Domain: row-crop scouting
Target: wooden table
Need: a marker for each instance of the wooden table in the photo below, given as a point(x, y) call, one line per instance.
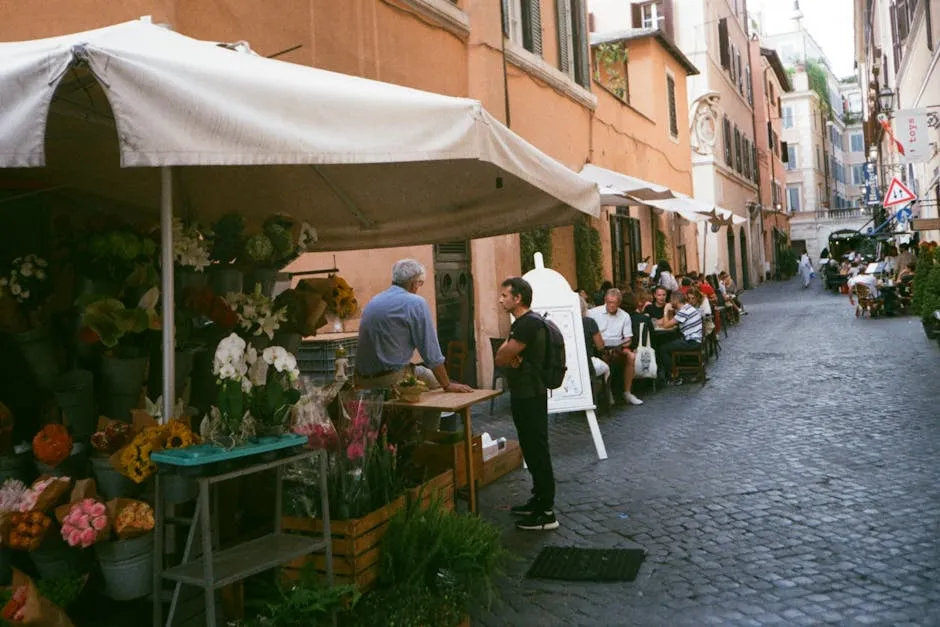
point(460, 402)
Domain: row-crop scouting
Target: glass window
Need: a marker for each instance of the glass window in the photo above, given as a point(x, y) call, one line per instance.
point(652, 16)
point(793, 196)
point(788, 117)
point(515, 20)
point(792, 152)
point(858, 142)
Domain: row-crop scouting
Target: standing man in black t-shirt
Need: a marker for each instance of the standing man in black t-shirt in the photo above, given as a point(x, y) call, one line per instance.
point(523, 357)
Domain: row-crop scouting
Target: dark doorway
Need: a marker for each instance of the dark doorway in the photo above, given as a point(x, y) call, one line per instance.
point(625, 246)
point(745, 274)
point(732, 262)
point(453, 290)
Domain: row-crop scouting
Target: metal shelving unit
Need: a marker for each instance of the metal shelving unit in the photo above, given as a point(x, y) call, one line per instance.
point(216, 569)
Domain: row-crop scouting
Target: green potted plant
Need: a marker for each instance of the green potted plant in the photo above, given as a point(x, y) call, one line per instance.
point(119, 263)
point(925, 261)
point(433, 564)
point(190, 255)
point(25, 289)
point(228, 237)
point(122, 332)
point(279, 241)
point(931, 303)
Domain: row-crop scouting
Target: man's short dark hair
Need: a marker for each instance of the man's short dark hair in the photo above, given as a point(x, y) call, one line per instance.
point(686, 281)
point(660, 287)
point(520, 287)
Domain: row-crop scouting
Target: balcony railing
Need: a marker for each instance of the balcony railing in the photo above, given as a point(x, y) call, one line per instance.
point(843, 214)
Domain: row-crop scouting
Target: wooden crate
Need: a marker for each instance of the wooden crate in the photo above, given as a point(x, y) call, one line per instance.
point(355, 545)
point(501, 464)
point(357, 542)
point(438, 457)
point(442, 485)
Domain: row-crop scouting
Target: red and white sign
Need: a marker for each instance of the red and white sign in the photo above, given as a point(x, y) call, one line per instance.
point(898, 194)
point(913, 133)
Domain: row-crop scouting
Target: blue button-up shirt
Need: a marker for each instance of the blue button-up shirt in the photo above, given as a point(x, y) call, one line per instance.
point(394, 324)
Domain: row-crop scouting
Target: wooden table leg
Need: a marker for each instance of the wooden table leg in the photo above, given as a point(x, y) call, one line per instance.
point(468, 452)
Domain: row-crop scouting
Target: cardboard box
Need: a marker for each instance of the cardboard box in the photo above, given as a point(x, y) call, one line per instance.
point(440, 456)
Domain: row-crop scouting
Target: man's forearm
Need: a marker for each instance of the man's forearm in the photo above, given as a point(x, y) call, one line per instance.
point(440, 373)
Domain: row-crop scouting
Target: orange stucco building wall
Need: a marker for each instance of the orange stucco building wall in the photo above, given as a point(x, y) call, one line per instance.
point(407, 43)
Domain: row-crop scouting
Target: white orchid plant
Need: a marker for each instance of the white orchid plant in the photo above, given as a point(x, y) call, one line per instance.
point(27, 283)
point(256, 392)
point(256, 313)
point(190, 246)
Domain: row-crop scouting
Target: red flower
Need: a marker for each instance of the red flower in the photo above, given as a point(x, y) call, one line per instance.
point(88, 336)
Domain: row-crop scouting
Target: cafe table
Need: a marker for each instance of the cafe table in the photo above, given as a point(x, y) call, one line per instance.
point(461, 403)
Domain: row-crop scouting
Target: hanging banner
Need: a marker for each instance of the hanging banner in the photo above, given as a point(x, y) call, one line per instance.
point(913, 132)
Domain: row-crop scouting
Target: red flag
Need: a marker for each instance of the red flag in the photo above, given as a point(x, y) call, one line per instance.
point(886, 125)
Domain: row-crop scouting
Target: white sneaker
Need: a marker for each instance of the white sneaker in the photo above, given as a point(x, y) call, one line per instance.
point(630, 398)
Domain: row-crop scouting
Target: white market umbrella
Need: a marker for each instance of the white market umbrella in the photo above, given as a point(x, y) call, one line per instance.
point(368, 163)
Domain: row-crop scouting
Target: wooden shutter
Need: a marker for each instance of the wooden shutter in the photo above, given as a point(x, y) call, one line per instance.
point(668, 19)
point(729, 153)
point(929, 25)
point(506, 18)
point(532, 26)
point(673, 113)
point(582, 45)
point(895, 39)
point(755, 161)
point(724, 50)
point(637, 17)
point(731, 52)
point(563, 13)
point(770, 136)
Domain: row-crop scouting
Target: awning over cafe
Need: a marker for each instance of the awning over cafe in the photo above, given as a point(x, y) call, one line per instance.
point(623, 189)
point(697, 211)
point(369, 164)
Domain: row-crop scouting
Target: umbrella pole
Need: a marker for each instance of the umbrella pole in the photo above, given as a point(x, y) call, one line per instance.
point(167, 295)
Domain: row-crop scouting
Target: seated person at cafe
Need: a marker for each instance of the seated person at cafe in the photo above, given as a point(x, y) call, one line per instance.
point(594, 344)
point(657, 309)
point(685, 284)
point(395, 324)
point(904, 258)
point(643, 298)
point(906, 275)
point(628, 303)
point(863, 278)
point(617, 332)
point(730, 289)
point(682, 315)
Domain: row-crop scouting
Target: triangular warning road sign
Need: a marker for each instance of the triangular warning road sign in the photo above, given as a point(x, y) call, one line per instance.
point(898, 194)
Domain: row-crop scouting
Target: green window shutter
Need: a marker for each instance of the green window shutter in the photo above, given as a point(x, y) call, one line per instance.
point(532, 29)
point(563, 11)
point(582, 45)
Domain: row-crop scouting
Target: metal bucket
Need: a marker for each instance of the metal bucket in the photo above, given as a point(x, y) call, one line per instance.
point(39, 349)
point(15, 467)
point(127, 567)
point(121, 382)
point(112, 484)
point(224, 279)
point(54, 558)
point(178, 489)
point(75, 394)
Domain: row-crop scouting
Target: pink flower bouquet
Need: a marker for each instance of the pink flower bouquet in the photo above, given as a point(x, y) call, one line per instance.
point(86, 523)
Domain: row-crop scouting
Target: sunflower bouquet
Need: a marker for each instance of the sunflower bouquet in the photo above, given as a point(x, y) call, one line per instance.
point(134, 460)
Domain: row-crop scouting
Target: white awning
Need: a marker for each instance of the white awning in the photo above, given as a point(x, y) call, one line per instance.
point(623, 189)
point(369, 164)
point(696, 210)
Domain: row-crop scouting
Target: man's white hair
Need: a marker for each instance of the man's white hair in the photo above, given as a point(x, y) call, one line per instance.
point(407, 270)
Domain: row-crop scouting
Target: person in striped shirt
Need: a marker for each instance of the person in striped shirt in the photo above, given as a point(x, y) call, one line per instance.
point(680, 313)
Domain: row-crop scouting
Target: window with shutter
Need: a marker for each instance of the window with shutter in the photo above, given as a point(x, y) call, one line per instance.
point(737, 149)
point(726, 129)
point(747, 158)
point(582, 44)
point(565, 38)
point(740, 73)
point(747, 82)
point(724, 49)
point(754, 161)
point(512, 20)
point(532, 26)
point(770, 135)
point(671, 96)
point(731, 64)
point(636, 18)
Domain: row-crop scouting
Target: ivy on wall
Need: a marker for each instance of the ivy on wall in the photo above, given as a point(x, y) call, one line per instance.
point(587, 249)
point(662, 247)
point(535, 241)
point(819, 83)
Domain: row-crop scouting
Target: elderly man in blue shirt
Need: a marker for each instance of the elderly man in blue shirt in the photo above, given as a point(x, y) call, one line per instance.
point(395, 324)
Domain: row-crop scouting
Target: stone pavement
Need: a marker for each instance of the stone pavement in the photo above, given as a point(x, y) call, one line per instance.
point(801, 485)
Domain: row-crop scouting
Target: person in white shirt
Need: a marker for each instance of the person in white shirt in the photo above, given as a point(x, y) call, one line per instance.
point(665, 278)
point(617, 332)
point(863, 278)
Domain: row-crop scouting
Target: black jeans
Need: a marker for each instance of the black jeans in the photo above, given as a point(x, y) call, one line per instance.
point(664, 354)
point(530, 416)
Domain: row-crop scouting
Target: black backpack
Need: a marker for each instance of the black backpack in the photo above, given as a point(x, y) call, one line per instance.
point(555, 365)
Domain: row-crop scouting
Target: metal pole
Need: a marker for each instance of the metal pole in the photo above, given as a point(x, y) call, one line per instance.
point(167, 295)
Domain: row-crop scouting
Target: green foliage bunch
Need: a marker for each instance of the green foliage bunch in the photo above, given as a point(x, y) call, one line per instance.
point(587, 247)
point(535, 241)
point(925, 263)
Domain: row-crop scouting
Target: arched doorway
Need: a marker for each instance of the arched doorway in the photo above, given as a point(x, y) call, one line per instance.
point(732, 249)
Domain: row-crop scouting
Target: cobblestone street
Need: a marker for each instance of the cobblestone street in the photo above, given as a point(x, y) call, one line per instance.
point(799, 486)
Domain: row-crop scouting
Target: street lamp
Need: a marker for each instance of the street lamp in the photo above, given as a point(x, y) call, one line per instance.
point(886, 100)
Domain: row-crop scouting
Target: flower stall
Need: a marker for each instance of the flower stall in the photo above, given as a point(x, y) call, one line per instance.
point(100, 310)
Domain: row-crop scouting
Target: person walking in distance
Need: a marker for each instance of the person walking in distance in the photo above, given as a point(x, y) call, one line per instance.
point(523, 355)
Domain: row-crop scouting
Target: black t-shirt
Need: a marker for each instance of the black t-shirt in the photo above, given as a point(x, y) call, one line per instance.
point(654, 311)
point(526, 380)
point(590, 328)
point(636, 319)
